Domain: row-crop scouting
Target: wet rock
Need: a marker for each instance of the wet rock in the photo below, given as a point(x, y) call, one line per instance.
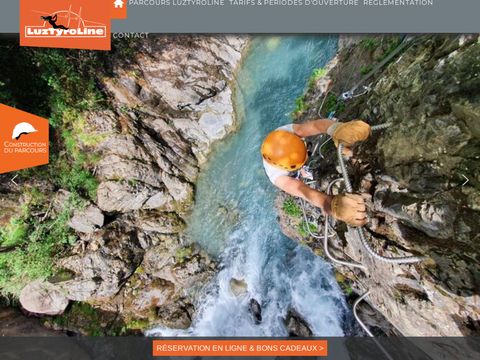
point(255, 310)
point(109, 271)
point(143, 295)
point(174, 316)
point(41, 297)
point(192, 132)
point(214, 125)
point(184, 269)
point(102, 123)
point(171, 137)
point(124, 145)
point(156, 258)
point(87, 220)
point(14, 323)
point(238, 287)
point(296, 325)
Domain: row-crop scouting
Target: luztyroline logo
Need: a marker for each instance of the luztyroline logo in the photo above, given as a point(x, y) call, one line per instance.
point(23, 140)
point(77, 24)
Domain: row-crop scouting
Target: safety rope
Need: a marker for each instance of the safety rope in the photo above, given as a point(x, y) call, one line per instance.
point(348, 186)
point(359, 230)
point(364, 327)
point(406, 41)
point(350, 94)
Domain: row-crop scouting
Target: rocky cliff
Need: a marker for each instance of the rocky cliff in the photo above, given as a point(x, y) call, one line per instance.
point(166, 107)
point(414, 175)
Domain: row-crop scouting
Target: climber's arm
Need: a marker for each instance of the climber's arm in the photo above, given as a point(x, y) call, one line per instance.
point(311, 128)
point(349, 208)
point(297, 188)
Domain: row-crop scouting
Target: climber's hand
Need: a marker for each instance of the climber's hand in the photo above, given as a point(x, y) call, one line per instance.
point(350, 132)
point(349, 208)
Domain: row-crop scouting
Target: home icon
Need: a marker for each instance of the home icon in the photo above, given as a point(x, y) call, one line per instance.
point(118, 4)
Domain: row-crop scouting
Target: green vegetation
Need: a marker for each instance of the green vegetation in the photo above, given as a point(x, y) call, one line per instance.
point(370, 44)
point(364, 70)
point(344, 283)
point(347, 289)
point(389, 45)
point(72, 89)
point(32, 245)
point(138, 324)
point(13, 234)
point(300, 106)
point(183, 254)
point(333, 104)
point(384, 47)
point(316, 74)
point(305, 228)
point(61, 85)
point(89, 321)
point(291, 208)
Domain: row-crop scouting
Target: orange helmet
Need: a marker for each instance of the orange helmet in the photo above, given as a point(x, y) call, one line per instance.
point(284, 150)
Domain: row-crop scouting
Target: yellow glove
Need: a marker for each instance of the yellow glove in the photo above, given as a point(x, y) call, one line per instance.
point(349, 208)
point(350, 132)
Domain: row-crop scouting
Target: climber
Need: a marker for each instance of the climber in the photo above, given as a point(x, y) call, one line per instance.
point(52, 20)
point(284, 153)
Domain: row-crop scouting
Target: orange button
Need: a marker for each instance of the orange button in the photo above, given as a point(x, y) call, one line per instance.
point(240, 348)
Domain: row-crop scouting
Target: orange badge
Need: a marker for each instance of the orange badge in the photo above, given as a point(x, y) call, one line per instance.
point(23, 140)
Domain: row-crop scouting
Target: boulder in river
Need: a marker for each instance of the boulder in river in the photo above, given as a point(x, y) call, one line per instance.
point(174, 316)
point(296, 325)
point(238, 287)
point(256, 311)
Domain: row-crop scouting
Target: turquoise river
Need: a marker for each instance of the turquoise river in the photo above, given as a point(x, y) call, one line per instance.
point(234, 218)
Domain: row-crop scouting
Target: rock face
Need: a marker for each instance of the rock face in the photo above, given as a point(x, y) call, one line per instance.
point(168, 106)
point(41, 297)
point(87, 220)
point(414, 173)
point(296, 326)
